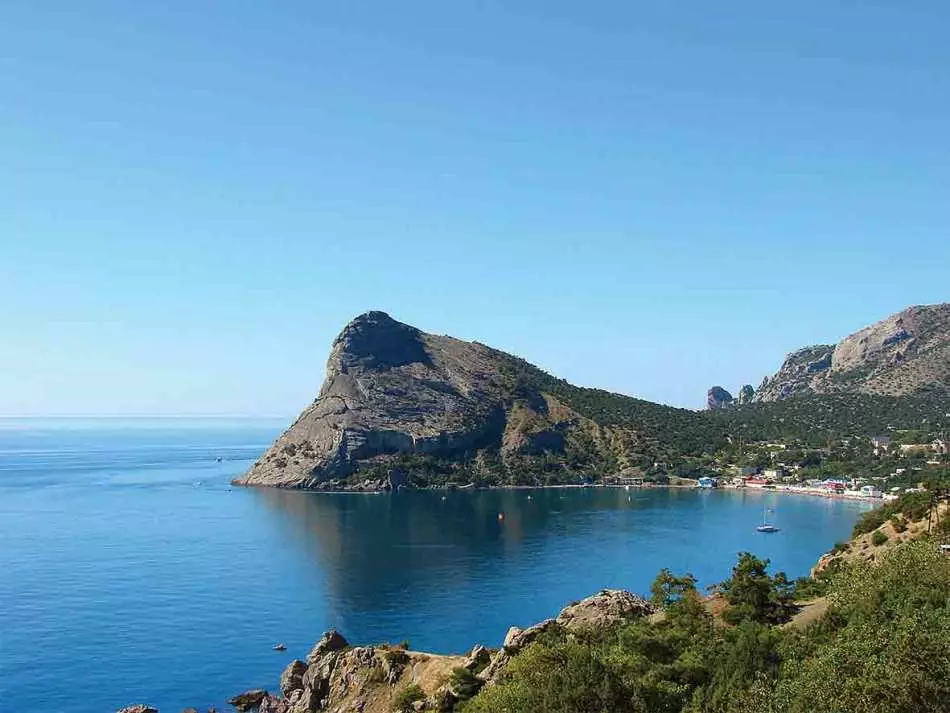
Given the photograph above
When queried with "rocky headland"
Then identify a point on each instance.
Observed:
(397, 400)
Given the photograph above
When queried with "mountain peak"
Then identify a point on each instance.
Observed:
(899, 355)
(374, 340)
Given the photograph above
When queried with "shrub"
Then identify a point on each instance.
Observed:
(878, 538)
(464, 683)
(403, 701)
(396, 658)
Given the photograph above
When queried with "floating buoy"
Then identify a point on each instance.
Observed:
(501, 516)
(529, 497)
(444, 498)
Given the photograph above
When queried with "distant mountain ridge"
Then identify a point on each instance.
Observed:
(905, 354)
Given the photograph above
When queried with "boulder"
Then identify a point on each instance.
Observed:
(330, 641)
(516, 639)
(443, 700)
(478, 658)
(249, 699)
(606, 608)
(138, 708)
(292, 677)
(273, 704)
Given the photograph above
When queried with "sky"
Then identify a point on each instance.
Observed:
(649, 197)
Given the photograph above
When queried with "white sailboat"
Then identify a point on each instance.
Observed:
(766, 526)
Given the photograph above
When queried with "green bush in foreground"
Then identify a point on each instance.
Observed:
(883, 647)
(403, 701)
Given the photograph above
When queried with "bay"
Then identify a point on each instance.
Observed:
(130, 571)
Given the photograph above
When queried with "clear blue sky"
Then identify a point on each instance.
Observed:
(647, 197)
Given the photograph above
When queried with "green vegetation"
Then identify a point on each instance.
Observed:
(882, 647)
(754, 595)
(912, 506)
(600, 433)
(878, 538)
(403, 701)
(464, 683)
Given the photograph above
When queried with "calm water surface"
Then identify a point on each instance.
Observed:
(131, 572)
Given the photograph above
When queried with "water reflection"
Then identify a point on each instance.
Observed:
(387, 562)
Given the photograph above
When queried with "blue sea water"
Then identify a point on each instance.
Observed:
(130, 571)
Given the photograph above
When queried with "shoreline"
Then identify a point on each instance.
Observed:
(784, 489)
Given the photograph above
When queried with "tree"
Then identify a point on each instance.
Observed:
(667, 589)
(754, 595)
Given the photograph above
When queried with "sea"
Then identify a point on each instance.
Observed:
(132, 572)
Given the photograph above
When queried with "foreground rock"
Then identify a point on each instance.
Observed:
(139, 708)
(249, 699)
(606, 608)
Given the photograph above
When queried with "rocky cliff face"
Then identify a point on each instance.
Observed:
(904, 354)
(394, 391)
(389, 389)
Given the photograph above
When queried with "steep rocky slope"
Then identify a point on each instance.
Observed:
(397, 400)
(904, 354)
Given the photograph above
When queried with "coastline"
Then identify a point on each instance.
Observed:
(360, 489)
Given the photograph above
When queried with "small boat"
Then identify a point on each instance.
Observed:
(280, 647)
(218, 459)
(766, 526)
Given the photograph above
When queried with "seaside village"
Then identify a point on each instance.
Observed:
(880, 467)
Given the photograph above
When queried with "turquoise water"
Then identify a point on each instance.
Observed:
(131, 572)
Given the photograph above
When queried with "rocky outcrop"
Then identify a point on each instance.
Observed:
(904, 354)
(717, 398)
(249, 700)
(606, 608)
(746, 395)
(139, 708)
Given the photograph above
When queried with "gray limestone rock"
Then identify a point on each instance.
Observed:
(900, 355)
(717, 397)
